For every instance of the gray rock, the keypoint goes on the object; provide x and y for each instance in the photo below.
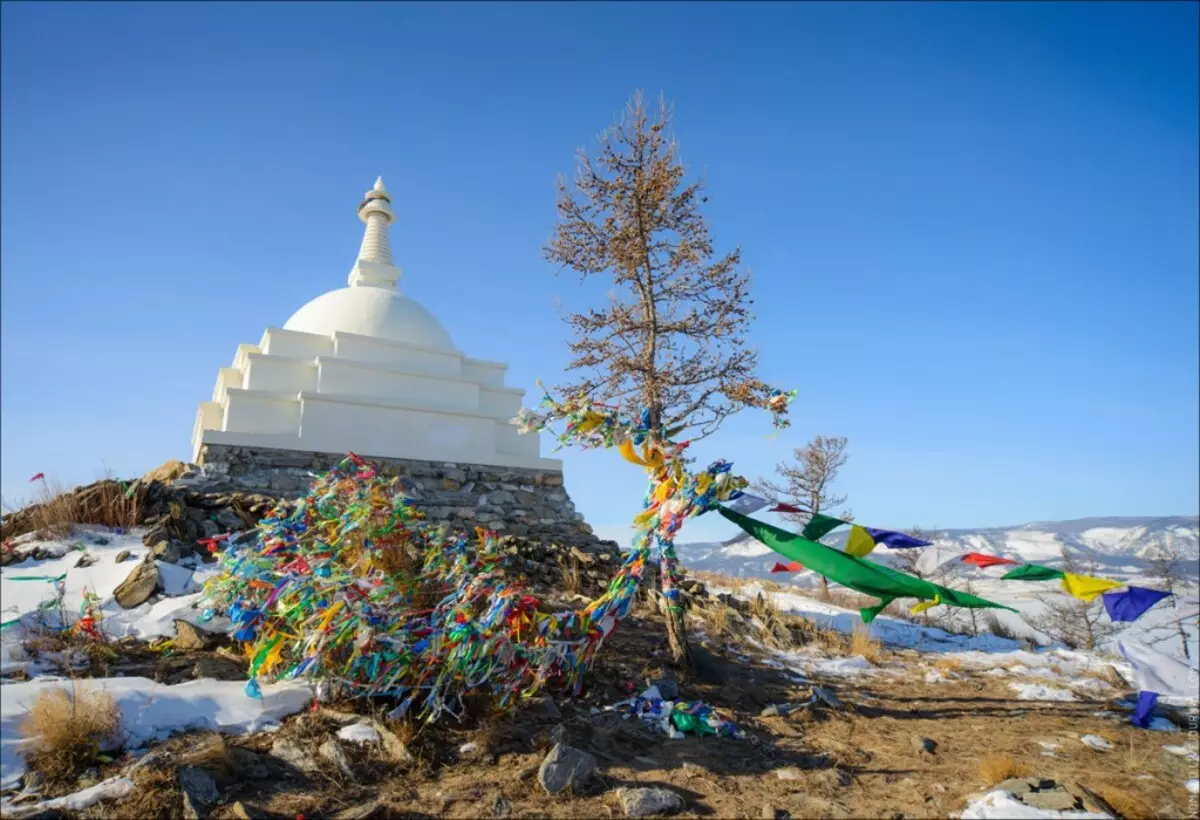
(333, 753)
(121, 556)
(140, 584)
(500, 807)
(86, 560)
(558, 734)
(546, 707)
(565, 767)
(199, 792)
(648, 802)
(249, 764)
(189, 637)
(922, 744)
(290, 752)
(1024, 785)
(1051, 800)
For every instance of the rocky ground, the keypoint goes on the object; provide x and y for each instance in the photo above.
(907, 741)
(832, 724)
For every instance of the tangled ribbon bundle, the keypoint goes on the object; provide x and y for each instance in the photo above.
(352, 588)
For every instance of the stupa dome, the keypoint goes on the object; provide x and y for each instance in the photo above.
(371, 311)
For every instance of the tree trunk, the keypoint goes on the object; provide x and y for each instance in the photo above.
(677, 640)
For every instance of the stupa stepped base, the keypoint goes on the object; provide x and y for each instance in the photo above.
(525, 502)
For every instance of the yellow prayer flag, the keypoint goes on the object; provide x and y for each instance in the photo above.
(860, 542)
(924, 605)
(1086, 587)
(625, 448)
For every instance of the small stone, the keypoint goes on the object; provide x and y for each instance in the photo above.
(333, 753)
(189, 637)
(140, 584)
(199, 792)
(788, 773)
(86, 560)
(393, 746)
(1017, 785)
(565, 767)
(547, 708)
(922, 744)
(501, 807)
(649, 802)
(290, 752)
(121, 556)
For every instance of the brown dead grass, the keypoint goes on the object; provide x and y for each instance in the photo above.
(947, 665)
(55, 511)
(862, 643)
(1125, 804)
(66, 727)
(998, 768)
(571, 574)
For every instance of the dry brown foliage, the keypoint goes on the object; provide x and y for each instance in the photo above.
(998, 768)
(863, 643)
(1125, 804)
(66, 728)
(571, 575)
(55, 511)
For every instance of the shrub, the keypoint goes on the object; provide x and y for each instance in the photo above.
(66, 728)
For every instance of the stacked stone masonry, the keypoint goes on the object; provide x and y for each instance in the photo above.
(525, 503)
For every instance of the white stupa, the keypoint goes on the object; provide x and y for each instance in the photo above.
(366, 369)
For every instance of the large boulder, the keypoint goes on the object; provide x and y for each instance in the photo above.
(139, 585)
(566, 767)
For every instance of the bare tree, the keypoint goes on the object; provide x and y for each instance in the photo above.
(671, 340)
(1078, 624)
(807, 483)
(1168, 569)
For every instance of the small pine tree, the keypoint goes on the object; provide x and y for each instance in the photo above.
(807, 483)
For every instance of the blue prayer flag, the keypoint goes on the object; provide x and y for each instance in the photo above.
(1129, 605)
(1145, 708)
(894, 540)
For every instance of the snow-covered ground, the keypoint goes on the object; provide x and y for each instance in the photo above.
(149, 711)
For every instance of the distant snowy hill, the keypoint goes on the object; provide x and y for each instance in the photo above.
(1120, 547)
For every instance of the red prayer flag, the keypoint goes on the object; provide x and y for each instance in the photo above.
(794, 566)
(38, 477)
(980, 560)
(786, 508)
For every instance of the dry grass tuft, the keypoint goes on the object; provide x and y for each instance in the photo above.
(66, 729)
(763, 607)
(998, 768)
(572, 575)
(1125, 804)
(862, 643)
(947, 665)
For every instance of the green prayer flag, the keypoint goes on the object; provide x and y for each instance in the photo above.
(855, 573)
(819, 525)
(1032, 572)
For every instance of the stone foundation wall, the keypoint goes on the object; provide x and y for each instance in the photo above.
(526, 503)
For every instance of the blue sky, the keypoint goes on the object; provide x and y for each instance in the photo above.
(972, 227)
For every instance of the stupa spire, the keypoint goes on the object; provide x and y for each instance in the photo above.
(374, 267)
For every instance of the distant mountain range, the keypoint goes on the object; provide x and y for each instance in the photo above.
(1118, 546)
